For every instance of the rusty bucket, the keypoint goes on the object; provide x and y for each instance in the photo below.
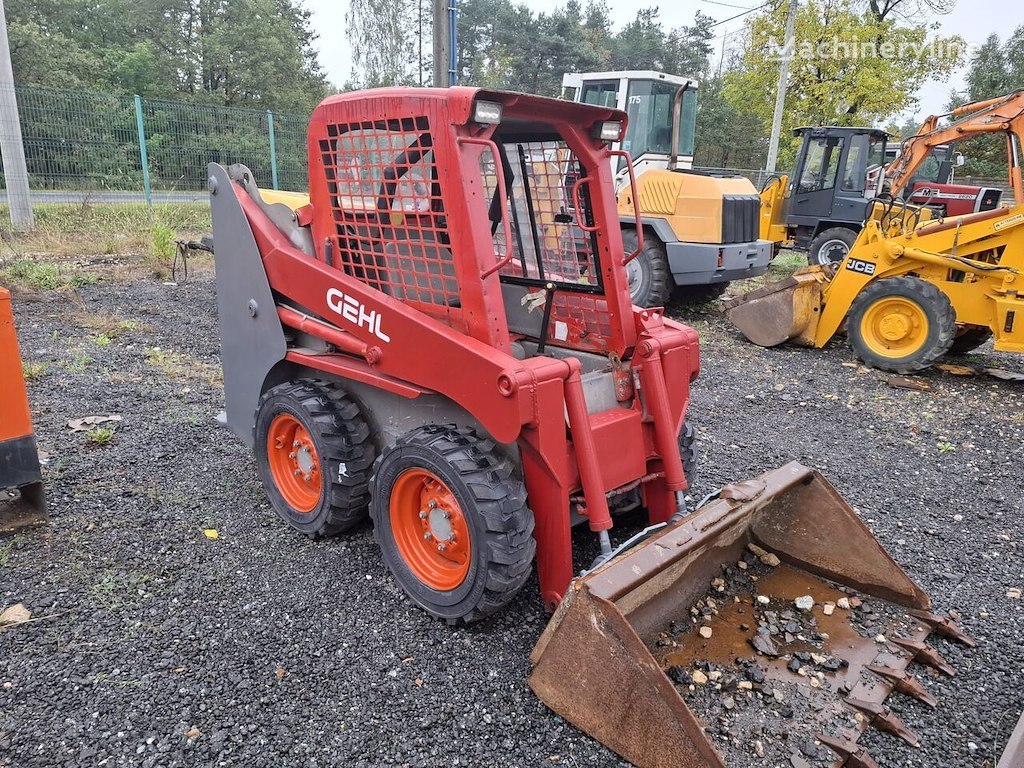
(635, 636)
(784, 311)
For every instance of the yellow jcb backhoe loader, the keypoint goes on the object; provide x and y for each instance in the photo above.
(821, 206)
(912, 290)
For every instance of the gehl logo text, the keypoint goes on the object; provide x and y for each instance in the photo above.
(355, 312)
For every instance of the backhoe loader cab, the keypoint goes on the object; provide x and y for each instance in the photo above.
(821, 206)
(700, 228)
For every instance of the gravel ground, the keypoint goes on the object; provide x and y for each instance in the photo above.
(157, 645)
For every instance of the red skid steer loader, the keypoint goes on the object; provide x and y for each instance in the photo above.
(440, 338)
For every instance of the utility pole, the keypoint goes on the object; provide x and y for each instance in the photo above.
(445, 38)
(12, 150)
(441, 35)
(780, 92)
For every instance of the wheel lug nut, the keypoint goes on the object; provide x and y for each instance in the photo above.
(423, 514)
(432, 504)
(296, 444)
(292, 455)
(427, 536)
(307, 478)
(440, 547)
(298, 471)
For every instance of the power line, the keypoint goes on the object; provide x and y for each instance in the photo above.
(739, 15)
(727, 5)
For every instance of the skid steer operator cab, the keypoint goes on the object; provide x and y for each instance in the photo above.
(700, 227)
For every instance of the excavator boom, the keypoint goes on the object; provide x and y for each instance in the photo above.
(1004, 114)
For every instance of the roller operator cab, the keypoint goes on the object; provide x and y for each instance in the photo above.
(700, 227)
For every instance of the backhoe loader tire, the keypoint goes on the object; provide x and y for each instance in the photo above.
(901, 324)
(969, 339)
(700, 294)
(313, 455)
(688, 452)
(650, 280)
(830, 246)
(450, 516)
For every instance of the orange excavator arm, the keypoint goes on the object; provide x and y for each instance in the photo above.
(1003, 114)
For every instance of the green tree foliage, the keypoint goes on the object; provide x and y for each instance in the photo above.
(996, 68)
(244, 53)
(390, 42)
(853, 64)
(504, 44)
(728, 136)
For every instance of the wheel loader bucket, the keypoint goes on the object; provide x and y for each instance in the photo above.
(784, 311)
(643, 650)
(22, 502)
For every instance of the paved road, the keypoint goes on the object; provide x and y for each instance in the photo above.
(78, 197)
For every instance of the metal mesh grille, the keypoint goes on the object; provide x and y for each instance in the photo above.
(385, 195)
(547, 244)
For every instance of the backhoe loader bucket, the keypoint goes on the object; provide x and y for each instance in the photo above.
(783, 311)
(699, 629)
(22, 502)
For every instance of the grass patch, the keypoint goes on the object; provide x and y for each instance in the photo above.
(108, 325)
(33, 371)
(43, 276)
(174, 365)
(80, 364)
(73, 229)
(161, 251)
(101, 435)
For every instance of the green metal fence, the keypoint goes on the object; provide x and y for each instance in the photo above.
(107, 148)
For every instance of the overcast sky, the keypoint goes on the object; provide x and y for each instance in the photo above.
(975, 20)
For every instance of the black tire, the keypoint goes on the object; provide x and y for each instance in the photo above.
(969, 339)
(830, 246)
(688, 451)
(700, 294)
(930, 300)
(650, 281)
(345, 453)
(492, 500)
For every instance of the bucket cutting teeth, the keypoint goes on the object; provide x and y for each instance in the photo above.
(942, 626)
(903, 682)
(883, 719)
(925, 654)
(852, 754)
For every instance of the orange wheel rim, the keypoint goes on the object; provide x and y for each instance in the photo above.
(430, 530)
(294, 463)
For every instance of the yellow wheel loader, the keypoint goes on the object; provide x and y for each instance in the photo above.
(912, 289)
(22, 501)
(700, 228)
